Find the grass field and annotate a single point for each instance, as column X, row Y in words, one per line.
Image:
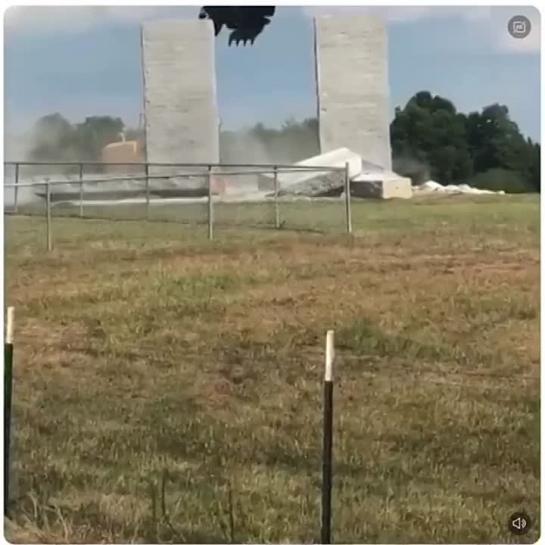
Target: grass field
column 327, row 215
column 168, row 388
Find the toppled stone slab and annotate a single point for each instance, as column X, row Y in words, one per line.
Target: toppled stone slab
column 100, row 187
column 368, row 180
column 324, row 185
column 389, row 186
column 316, row 183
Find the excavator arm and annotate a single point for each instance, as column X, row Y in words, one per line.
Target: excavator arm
column 245, row 22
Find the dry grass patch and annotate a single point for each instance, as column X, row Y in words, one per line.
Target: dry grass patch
column 168, row 388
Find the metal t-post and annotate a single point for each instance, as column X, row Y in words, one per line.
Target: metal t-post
column 210, row 205
column 16, row 195
column 8, row 387
column 81, row 190
column 48, row 216
column 327, row 451
column 147, row 191
column 347, row 198
column 276, row 207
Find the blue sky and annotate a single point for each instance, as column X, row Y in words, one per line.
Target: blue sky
column 85, row 60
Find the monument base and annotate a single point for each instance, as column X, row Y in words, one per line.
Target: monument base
column 393, row 188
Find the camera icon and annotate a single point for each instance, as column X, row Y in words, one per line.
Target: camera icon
column 519, row 26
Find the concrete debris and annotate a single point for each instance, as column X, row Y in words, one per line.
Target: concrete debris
column 377, row 183
column 433, row 187
column 315, row 183
column 367, row 179
column 95, row 189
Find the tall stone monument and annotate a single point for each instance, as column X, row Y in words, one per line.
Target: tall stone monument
column 181, row 111
column 352, row 86
column 182, row 122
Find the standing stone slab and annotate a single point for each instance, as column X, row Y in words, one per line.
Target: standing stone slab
column 352, row 85
column 182, row 122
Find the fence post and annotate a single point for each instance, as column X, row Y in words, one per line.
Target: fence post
column 16, row 195
column 327, row 450
column 81, row 190
column 276, row 206
column 210, row 205
column 8, row 387
column 147, row 190
column 48, row 215
column 347, row 198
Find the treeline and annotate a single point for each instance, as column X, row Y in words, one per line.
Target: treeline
column 429, row 139
column 54, row 138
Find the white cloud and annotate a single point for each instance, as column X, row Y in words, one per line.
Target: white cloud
column 75, row 19
column 484, row 23
column 402, row 14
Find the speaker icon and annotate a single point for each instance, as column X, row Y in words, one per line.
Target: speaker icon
column 519, row 523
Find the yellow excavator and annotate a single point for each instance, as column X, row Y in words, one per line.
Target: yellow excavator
column 124, row 151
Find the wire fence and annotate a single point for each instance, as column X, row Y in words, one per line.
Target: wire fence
column 211, row 196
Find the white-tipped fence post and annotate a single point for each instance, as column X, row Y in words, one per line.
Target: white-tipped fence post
column 347, row 198
column 48, row 215
column 210, row 205
column 8, row 387
column 327, row 454
column 276, row 207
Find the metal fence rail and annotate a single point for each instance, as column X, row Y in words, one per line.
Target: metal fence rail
column 195, row 172
column 268, row 166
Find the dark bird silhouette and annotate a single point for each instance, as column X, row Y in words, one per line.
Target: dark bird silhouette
column 246, row 22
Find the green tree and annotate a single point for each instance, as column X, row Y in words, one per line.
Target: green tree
column 429, row 132
column 497, row 144
column 52, row 139
column 534, row 168
column 495, row 140
column 95, row 133
column 431, row 139
column 55, row 139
